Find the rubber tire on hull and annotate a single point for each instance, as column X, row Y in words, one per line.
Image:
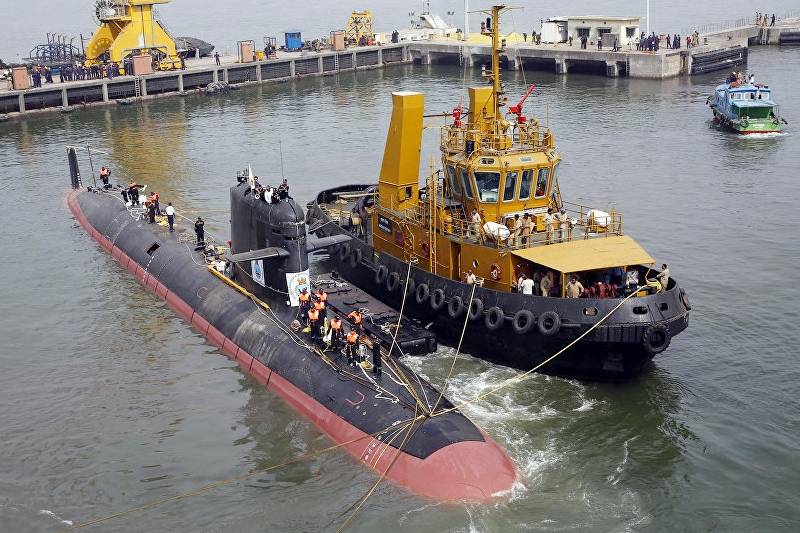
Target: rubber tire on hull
column 392, row 281
column 438, row 300
column 523, row 322
column 456, row 307
column 355, row 257
column 380, row 274
column 422, row 293
column 685, row 300
column 656, row 339
column 494, row 318
column 476, row 309
column 549, row 323
column 344, row 251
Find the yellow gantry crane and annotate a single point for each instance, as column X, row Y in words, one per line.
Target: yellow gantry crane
column 360, row 24
column 128, row 28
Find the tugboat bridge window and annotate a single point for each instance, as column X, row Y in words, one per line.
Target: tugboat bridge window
column 541, row 183
column 467, row 184
column 525, row 185
column 510, row 186
column 488, row 184
column 455, row 187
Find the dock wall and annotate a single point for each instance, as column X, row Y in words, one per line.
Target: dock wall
column 125, row 89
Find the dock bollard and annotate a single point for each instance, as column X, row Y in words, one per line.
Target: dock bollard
column 376, row 357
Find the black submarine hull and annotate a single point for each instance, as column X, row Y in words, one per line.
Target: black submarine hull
column 617, row 350
column 444, row 458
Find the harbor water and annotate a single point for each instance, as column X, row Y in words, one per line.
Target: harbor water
column 110, row 401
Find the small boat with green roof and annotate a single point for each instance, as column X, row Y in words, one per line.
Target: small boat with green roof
column 746, row 108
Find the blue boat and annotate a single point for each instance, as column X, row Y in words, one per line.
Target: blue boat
column 746, row 108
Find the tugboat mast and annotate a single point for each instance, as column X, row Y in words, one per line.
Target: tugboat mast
column 494, row 31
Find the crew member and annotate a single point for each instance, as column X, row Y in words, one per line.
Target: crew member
column 525, row 285
column 574, row 288
column 305, row 303
column 516, row 229
column 336, row 332
column 528, row 228
column 320, row 307
column 376, row 358
column 104, row 175
column 283, row 190
column 356, row 319
column 170, row 216
column 548, row 222
column 199, row 231
column 546, row 285
column 470, row 278
column 151, row 213
column 352, row 347
column 154, row 198
column 313, row 323
column 663, row 277
column 133, row 193
column 562, row 221
column 475, row 220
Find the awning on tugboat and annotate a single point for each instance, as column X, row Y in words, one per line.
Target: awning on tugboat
column 590, row 254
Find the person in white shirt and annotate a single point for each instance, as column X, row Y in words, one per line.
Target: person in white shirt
column 548, row 221
column 526, row 285
column 170, row 216
column 476, row 223
column 470, row 278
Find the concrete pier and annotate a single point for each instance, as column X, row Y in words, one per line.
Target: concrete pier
column 198, row 74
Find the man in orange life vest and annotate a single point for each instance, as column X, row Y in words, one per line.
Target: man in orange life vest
column 305, row 303
column 352, row 347
column 314, row 323
column 104, row 175
column 336, row 332
column 356, row 319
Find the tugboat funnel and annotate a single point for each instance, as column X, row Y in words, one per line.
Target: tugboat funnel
column 399, row 180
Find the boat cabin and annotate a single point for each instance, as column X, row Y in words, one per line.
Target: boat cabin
column 746, row 101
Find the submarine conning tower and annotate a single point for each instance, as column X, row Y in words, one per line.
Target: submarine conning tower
column 268, row 240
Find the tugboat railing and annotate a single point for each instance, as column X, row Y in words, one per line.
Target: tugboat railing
column 521, row 137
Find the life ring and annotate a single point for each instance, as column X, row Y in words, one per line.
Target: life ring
column 523, row 321
column 549, row 323
column 426, row 249
column 494, row 318
column 355, row 257
column 685, row 300
column 495, row 272
column 380, row 274
column 438, row 299
column 344, row 251
column 656, row 338
column 456, row 307
column 392, row 281
column 476, row 309
column 422, row 293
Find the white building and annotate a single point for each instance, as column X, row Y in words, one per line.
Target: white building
column 625, row 29
column 554, row 30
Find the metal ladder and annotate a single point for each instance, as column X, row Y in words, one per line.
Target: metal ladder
column 336, row 62
column 628, row 65
column 137, row 86
column 461, row 56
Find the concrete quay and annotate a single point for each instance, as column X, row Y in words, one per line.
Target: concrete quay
column 198, row 74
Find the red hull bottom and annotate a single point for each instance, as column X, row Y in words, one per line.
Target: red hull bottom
column 466, row 470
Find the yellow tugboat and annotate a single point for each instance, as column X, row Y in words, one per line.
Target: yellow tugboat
column 489, row 236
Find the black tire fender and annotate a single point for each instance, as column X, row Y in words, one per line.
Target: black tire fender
column 344, row 251
column 523, row 322
column 494, row 318
column 355, row 257
column 455, row 308
column 476, row 309
column 438, row 299
column 392, row 281
column 685, row 300
column 422, row 293
column 380, row 274
column 656, row 339
column 549, row 323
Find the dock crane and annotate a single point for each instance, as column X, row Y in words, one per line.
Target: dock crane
column 128, row 28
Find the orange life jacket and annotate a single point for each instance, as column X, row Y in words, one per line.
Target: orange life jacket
column 319, row 306
column 104, row 172
column 352, row 337
column 304, row 296
column 356, row 316
column 336, row 324
column 313, row 314
column 322, row 295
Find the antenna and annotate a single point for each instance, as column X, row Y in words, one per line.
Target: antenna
column 280, row 148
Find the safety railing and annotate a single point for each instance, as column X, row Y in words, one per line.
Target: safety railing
column 719, row 27
column 112, row 9
column 520, row 137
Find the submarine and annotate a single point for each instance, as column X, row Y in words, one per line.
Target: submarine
column 396, row 423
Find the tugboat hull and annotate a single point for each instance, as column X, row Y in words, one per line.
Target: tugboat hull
column 449, row 459
column 617, row 350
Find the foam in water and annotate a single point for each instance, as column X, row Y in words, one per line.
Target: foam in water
column 55, row 516
column 756, row 136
